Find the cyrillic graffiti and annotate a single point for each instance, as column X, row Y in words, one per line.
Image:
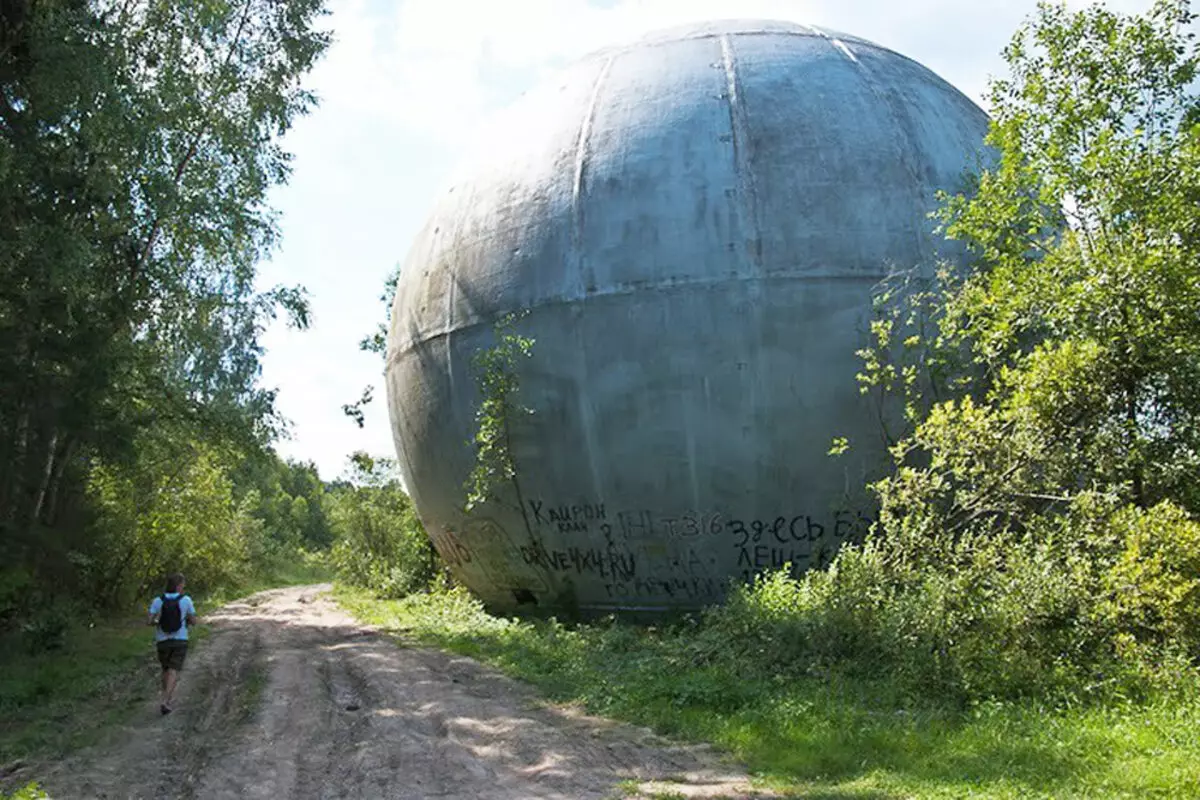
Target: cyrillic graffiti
column 640, row 554
column 800, row 528
column 650, row 588
column 801, row 541
column 452, row 551
column 579, row 514
column 610, row 564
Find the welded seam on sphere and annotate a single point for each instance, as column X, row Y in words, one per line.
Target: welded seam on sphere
column 741, row 140
column 627, row 289
column 581, row 156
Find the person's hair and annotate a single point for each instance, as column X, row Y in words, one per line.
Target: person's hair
column 174, row 581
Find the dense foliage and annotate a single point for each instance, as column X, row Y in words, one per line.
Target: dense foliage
column 1039, row 532
column 381, row 545
column 220, row 524
column 138, row 142
column 289, row 498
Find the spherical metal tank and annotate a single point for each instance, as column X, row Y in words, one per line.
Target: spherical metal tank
column 693, row 223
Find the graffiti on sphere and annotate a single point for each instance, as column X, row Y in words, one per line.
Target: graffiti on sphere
column 639, row 554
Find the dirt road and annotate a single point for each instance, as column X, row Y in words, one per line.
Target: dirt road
column 291, row 698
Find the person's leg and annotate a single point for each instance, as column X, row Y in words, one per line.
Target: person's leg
column 164, row 659
column 172, row 664
column 170, row 679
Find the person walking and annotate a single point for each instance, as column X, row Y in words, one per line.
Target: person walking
column 171, row 613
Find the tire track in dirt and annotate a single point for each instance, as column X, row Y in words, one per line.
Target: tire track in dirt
column 228, row 683
column 291, row 698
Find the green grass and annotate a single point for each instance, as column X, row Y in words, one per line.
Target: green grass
column 824, row 736
column 96, row 674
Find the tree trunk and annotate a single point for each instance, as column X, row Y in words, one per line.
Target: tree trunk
column 39, row 500
column 52, row 501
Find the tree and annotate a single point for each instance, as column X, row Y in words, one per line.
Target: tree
column 1044, row 498
column 287, row 497
column 138, row 141
column 1071, row 350
column 154, row 515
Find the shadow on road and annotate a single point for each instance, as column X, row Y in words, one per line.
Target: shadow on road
column 290, row 697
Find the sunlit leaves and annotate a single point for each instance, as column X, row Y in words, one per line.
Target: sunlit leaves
column 139, row 140
column 138, row 143
column 379, row 540
column 1073, row 341
column 498, row 379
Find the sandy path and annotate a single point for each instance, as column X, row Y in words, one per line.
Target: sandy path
column 292, row 698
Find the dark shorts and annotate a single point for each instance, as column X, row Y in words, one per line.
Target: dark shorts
column 171, row 653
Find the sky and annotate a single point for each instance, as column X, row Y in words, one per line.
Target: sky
column 403, row 90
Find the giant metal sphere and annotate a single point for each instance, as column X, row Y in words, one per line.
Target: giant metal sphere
column 693, row 224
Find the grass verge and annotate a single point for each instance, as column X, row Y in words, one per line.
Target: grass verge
column 825, row 736
column 54, row 701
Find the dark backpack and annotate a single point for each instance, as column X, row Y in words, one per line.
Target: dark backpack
column 170, row 618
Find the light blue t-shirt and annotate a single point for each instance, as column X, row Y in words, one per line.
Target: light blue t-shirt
column 185, row 608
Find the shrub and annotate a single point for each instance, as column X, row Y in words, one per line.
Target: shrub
column 1151, row 588
column 1034, row 535
column 380, row 543
column 1094, row 602
column 30, row 791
